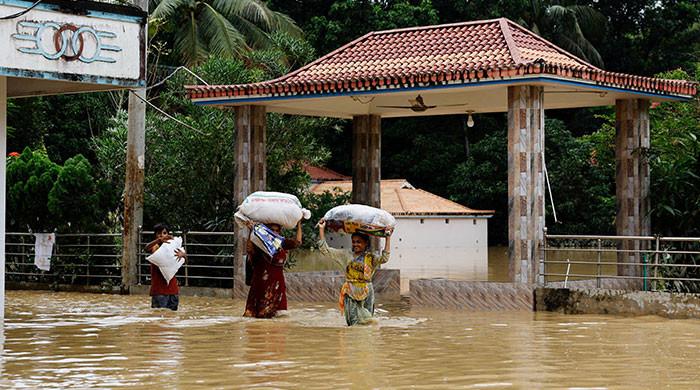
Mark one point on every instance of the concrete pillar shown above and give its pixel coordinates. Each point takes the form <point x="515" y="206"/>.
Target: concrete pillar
<point x="135" y="164"/>
<point x="525" y="181"/>
<point x="632" y="179"/>
<point x="251" y="166"/>
<point x="3" y="190"/>
<point x="366" y="159"/>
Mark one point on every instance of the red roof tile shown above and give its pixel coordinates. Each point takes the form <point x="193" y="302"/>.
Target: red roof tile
<point x="324" y="174"/>
<point x="399" y="197"/>
<point x="434" y="55"/>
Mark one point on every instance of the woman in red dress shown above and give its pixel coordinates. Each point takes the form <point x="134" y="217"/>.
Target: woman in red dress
<point x="268" y="293"/>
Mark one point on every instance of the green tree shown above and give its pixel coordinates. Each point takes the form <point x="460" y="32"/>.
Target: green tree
<point x="190" y="168"/>
<point x="567" y="25"/>
<point x="582" y="187"/>
<point x="30" y="178"/>
<point x="74" y="199"/>
<point x="674" y="162"/>
<point x="650" y="36"/>
<point x="330" y="24"/>
<point x="62" y="125"/>
<point x="581" y="177"/>
<point x="43" y="196"/>
<point x="481" y="182"/>
<point x="222" y="28"/>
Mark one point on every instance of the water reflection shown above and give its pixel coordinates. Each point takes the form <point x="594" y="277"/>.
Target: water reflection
<point x="61" y="340"/>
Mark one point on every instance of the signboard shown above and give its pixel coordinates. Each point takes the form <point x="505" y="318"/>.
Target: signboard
<point x="77" y="41"/>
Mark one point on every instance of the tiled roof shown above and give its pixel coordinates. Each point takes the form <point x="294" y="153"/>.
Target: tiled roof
<point x="437" y="55"/>
<point x="399" y="197"/>
<point x="323" y="173"/>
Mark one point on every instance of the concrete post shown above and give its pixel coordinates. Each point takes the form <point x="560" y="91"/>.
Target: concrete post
<point x="3" y="190"/>
<point x="632" y="179"/>
<point x="251" y="166"/>
<point x="366" y="159"/>
<point x="135" y="163"/>
<point x="525" y="182"/>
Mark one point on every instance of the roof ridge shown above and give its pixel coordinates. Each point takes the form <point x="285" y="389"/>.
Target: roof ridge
<point x="510" y="42"/>
<point x="548" y="43"/>
<point x="436" y="26"/>
<point x="401" y="202"/>
<point x="319" y="59"/>
<point x="367" y="35"/>
<point x="450" y="201"/>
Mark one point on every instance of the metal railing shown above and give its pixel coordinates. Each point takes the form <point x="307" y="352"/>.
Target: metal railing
<point x="95" y="259"/>
<point x="209" y="259"/>
<point x="636" y="262"/>
<point x="77" y="259"/>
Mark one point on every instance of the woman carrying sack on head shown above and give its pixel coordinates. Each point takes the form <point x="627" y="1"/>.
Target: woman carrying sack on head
<point x="268" y="292"/>
<point x="357" y="293"/>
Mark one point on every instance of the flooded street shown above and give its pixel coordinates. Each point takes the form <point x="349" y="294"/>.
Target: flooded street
<point x="70" y="340"/>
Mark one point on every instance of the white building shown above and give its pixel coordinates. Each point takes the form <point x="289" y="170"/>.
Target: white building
<point x="434" y="237"/>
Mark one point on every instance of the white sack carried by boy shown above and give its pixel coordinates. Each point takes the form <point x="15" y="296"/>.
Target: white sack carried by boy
<point x="271" y="207"/>
<point x="166" y="260"/>
<point x="360" y="218"/>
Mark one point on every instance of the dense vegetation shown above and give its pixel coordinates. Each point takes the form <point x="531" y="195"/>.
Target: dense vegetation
<point x="77" y="143"/>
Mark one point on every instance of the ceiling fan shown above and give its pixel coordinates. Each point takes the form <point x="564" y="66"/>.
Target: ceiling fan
<point x="418" y="105"/>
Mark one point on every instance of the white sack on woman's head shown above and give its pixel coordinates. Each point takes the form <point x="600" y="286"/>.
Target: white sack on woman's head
<point x="272" y="207"/>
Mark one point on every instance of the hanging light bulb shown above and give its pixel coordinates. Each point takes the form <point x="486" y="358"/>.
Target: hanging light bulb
<point x="470" y="120"/>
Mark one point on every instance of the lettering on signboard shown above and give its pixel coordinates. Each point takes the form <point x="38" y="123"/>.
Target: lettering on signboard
<point x="54" y="41"/>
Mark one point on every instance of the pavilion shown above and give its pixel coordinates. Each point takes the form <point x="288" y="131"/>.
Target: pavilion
<point x="464" y="68"/>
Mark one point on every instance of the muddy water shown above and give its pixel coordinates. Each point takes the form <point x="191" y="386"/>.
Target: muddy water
<point x="585" y="264"/>
<point x="66" y="340"/>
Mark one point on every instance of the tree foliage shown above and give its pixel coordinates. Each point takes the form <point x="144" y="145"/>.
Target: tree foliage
<point x="674" y="160"/>
<point x="74" y="199"/>
<point x="45" y="196"/>
<point x="30" y="178"/>
<point x="198" y="29"/>
<point x="190" y="164"/>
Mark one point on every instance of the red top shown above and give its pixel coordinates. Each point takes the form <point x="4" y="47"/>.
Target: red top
<point x="158" y="284"/>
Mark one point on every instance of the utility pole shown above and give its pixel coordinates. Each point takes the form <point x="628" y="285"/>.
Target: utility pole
<point x="135" y="162"/>
<point x="3" y="189"/>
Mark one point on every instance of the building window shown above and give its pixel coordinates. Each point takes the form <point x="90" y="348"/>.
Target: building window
<point x="422" y="220"/>
<point x="474" y="221"/>
<point x="447" y="220"/>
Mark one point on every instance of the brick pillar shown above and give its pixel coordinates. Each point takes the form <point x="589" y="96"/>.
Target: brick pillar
<point x="251" y="167"/>
<point x="525" y="182"/>
<point x="366" y="159"/>
<point x="632" y="179"/>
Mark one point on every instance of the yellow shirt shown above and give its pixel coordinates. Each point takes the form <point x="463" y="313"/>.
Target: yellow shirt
<point x="358" y="270"/>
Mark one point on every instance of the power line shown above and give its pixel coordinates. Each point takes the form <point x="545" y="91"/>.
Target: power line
<point x="179" y="68"/>
<point x="20" y="13"/>
<point x="166" y="114"/>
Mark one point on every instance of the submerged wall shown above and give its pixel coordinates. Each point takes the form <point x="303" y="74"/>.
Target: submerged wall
<point x="599" y="301"/>
<point x="476" y="296"/>
<point x="324" y="286"/>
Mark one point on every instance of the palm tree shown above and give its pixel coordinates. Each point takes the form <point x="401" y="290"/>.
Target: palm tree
<point x="225" y="28"/>
<point x="568" y="26"/>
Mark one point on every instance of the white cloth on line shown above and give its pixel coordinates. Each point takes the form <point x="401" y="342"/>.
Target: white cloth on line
<point x="43" y="248"/>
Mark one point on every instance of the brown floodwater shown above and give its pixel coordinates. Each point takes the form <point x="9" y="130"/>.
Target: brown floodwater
<point x="71" y="340"/>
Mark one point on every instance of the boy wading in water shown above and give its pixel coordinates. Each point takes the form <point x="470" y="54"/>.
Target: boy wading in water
<point x="163" y="294"/>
